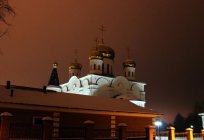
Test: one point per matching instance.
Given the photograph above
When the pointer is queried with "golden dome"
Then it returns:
(106, 51)
(95, 55)
(75, 65)
(129, 63)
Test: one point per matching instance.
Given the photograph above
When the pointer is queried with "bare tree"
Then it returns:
(5, 10)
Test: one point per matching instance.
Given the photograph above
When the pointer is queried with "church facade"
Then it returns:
(99, 96)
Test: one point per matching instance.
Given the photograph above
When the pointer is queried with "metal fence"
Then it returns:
(102, 133)
(178, 136)
(136, 134)
(25, 131)
(197, 136)
(71, 132)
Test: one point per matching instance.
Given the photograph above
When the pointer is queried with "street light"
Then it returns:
(158, 123)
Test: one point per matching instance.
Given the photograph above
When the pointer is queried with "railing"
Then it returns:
(136, 134)
(163, 135)
(72, 132)
(25, 131)
(102, 133)
(180, 136)
(197, 136)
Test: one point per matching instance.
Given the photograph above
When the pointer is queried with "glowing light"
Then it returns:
(158, 123)
(191, 126)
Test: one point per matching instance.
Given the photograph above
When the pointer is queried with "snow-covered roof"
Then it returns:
(26, 96)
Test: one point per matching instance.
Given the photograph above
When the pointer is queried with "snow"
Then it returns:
(65, 100)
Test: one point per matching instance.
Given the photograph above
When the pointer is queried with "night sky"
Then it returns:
(166, 39)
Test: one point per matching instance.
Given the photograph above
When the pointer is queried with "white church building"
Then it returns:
(100, 81)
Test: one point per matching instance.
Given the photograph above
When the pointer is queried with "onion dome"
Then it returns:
(106, 51)
(95, 55)
(129, 63)
(75, 65)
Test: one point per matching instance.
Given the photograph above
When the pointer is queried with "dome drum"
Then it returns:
(75, 66)
(129, 63)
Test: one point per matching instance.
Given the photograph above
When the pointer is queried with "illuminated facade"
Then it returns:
(111, 100)
(101, 81)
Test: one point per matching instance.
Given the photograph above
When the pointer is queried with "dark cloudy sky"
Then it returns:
(166, 39)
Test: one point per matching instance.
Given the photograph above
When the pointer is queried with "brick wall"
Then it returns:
(134, 123)
(75, 119)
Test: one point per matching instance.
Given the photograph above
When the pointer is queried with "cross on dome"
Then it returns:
(102, 30)
(96, 41)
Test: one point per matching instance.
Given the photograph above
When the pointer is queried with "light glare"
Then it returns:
(158, 123)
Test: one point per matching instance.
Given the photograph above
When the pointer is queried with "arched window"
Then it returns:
(107, 68)
(102, 68)
(94, 66)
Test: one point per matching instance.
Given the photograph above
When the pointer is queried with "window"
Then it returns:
(102, 68)
(107, 68)
(99, 67)
(94, 66)
(128, 74)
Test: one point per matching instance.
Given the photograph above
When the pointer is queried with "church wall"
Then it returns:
(95, 66)
(130, 73)
(109, 62)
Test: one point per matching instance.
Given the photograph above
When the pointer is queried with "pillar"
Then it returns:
(122, 128)
(5, 125)
(171, 133)
(89, 129)
(202, 117)
(150, 130)
(189, 134)
(47, 128)
(202, 132)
